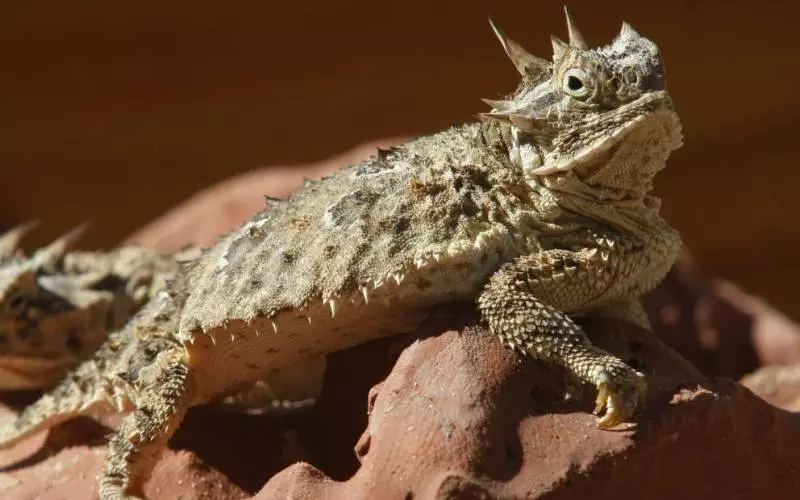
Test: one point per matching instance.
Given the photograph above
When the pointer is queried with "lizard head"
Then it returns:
(592, 118)
(48, 319)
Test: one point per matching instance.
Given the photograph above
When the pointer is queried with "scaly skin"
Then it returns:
(57, 306)
(540, 213)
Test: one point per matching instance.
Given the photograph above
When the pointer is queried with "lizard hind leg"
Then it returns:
(85, 391)
(134, 449)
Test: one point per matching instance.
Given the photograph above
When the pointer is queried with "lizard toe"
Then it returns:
(620, 396)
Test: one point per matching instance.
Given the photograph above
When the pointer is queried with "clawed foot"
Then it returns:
(619, 396)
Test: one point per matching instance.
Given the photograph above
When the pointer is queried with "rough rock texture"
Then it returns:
(66, 462)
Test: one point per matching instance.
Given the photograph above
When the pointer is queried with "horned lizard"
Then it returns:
(57, 305)
(540, 212)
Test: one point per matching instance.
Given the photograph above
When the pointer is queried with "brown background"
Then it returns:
(112, 114)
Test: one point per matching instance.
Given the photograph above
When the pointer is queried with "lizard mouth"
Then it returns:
(601, 132)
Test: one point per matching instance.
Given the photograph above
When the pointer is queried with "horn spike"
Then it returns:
(498, 104)
(502, 117)
(560, 48)
(627, 31)
(575, 37)
(10, 240)
(525, 62)
(60, 246)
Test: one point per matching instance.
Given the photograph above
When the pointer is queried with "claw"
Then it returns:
(619, 402)
(602, 394)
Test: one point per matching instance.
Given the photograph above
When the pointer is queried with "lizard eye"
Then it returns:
(576, 83)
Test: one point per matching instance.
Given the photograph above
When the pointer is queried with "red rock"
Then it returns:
(719, 328)
(777, 384)
(66, 463)
(775, 337)
(461, 417)
(690, 317)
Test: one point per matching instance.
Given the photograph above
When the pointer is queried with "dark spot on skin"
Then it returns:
(402, 224)
(300, 222)
(253, 366)
(273, 350)
(255, 283)
(236, 355)
(475, 176)
(150, 352)
(423, 284)
(287, 257)
(74, 341)
(330, 250)
(484, 258)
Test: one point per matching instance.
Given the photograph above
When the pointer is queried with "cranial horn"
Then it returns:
(498, 104)
(56, 250)
(525, 62)
(501, 116)
(560, 48)
(628, 31)
(9, 241)
(575, 38)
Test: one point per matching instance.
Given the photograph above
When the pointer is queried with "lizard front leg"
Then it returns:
(527, 304)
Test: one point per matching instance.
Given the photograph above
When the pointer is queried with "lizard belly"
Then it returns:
(244, 351)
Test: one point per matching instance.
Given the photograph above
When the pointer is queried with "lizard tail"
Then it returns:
(85, 391)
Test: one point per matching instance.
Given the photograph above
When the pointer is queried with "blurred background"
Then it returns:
(114, 113)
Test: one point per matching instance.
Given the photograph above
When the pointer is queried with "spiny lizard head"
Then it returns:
(599, 116)
(45, 313)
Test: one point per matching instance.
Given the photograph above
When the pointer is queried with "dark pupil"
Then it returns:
(574, 83)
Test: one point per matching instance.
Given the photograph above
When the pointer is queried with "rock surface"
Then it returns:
(66, 462)
(777, 384)
(461, 417)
